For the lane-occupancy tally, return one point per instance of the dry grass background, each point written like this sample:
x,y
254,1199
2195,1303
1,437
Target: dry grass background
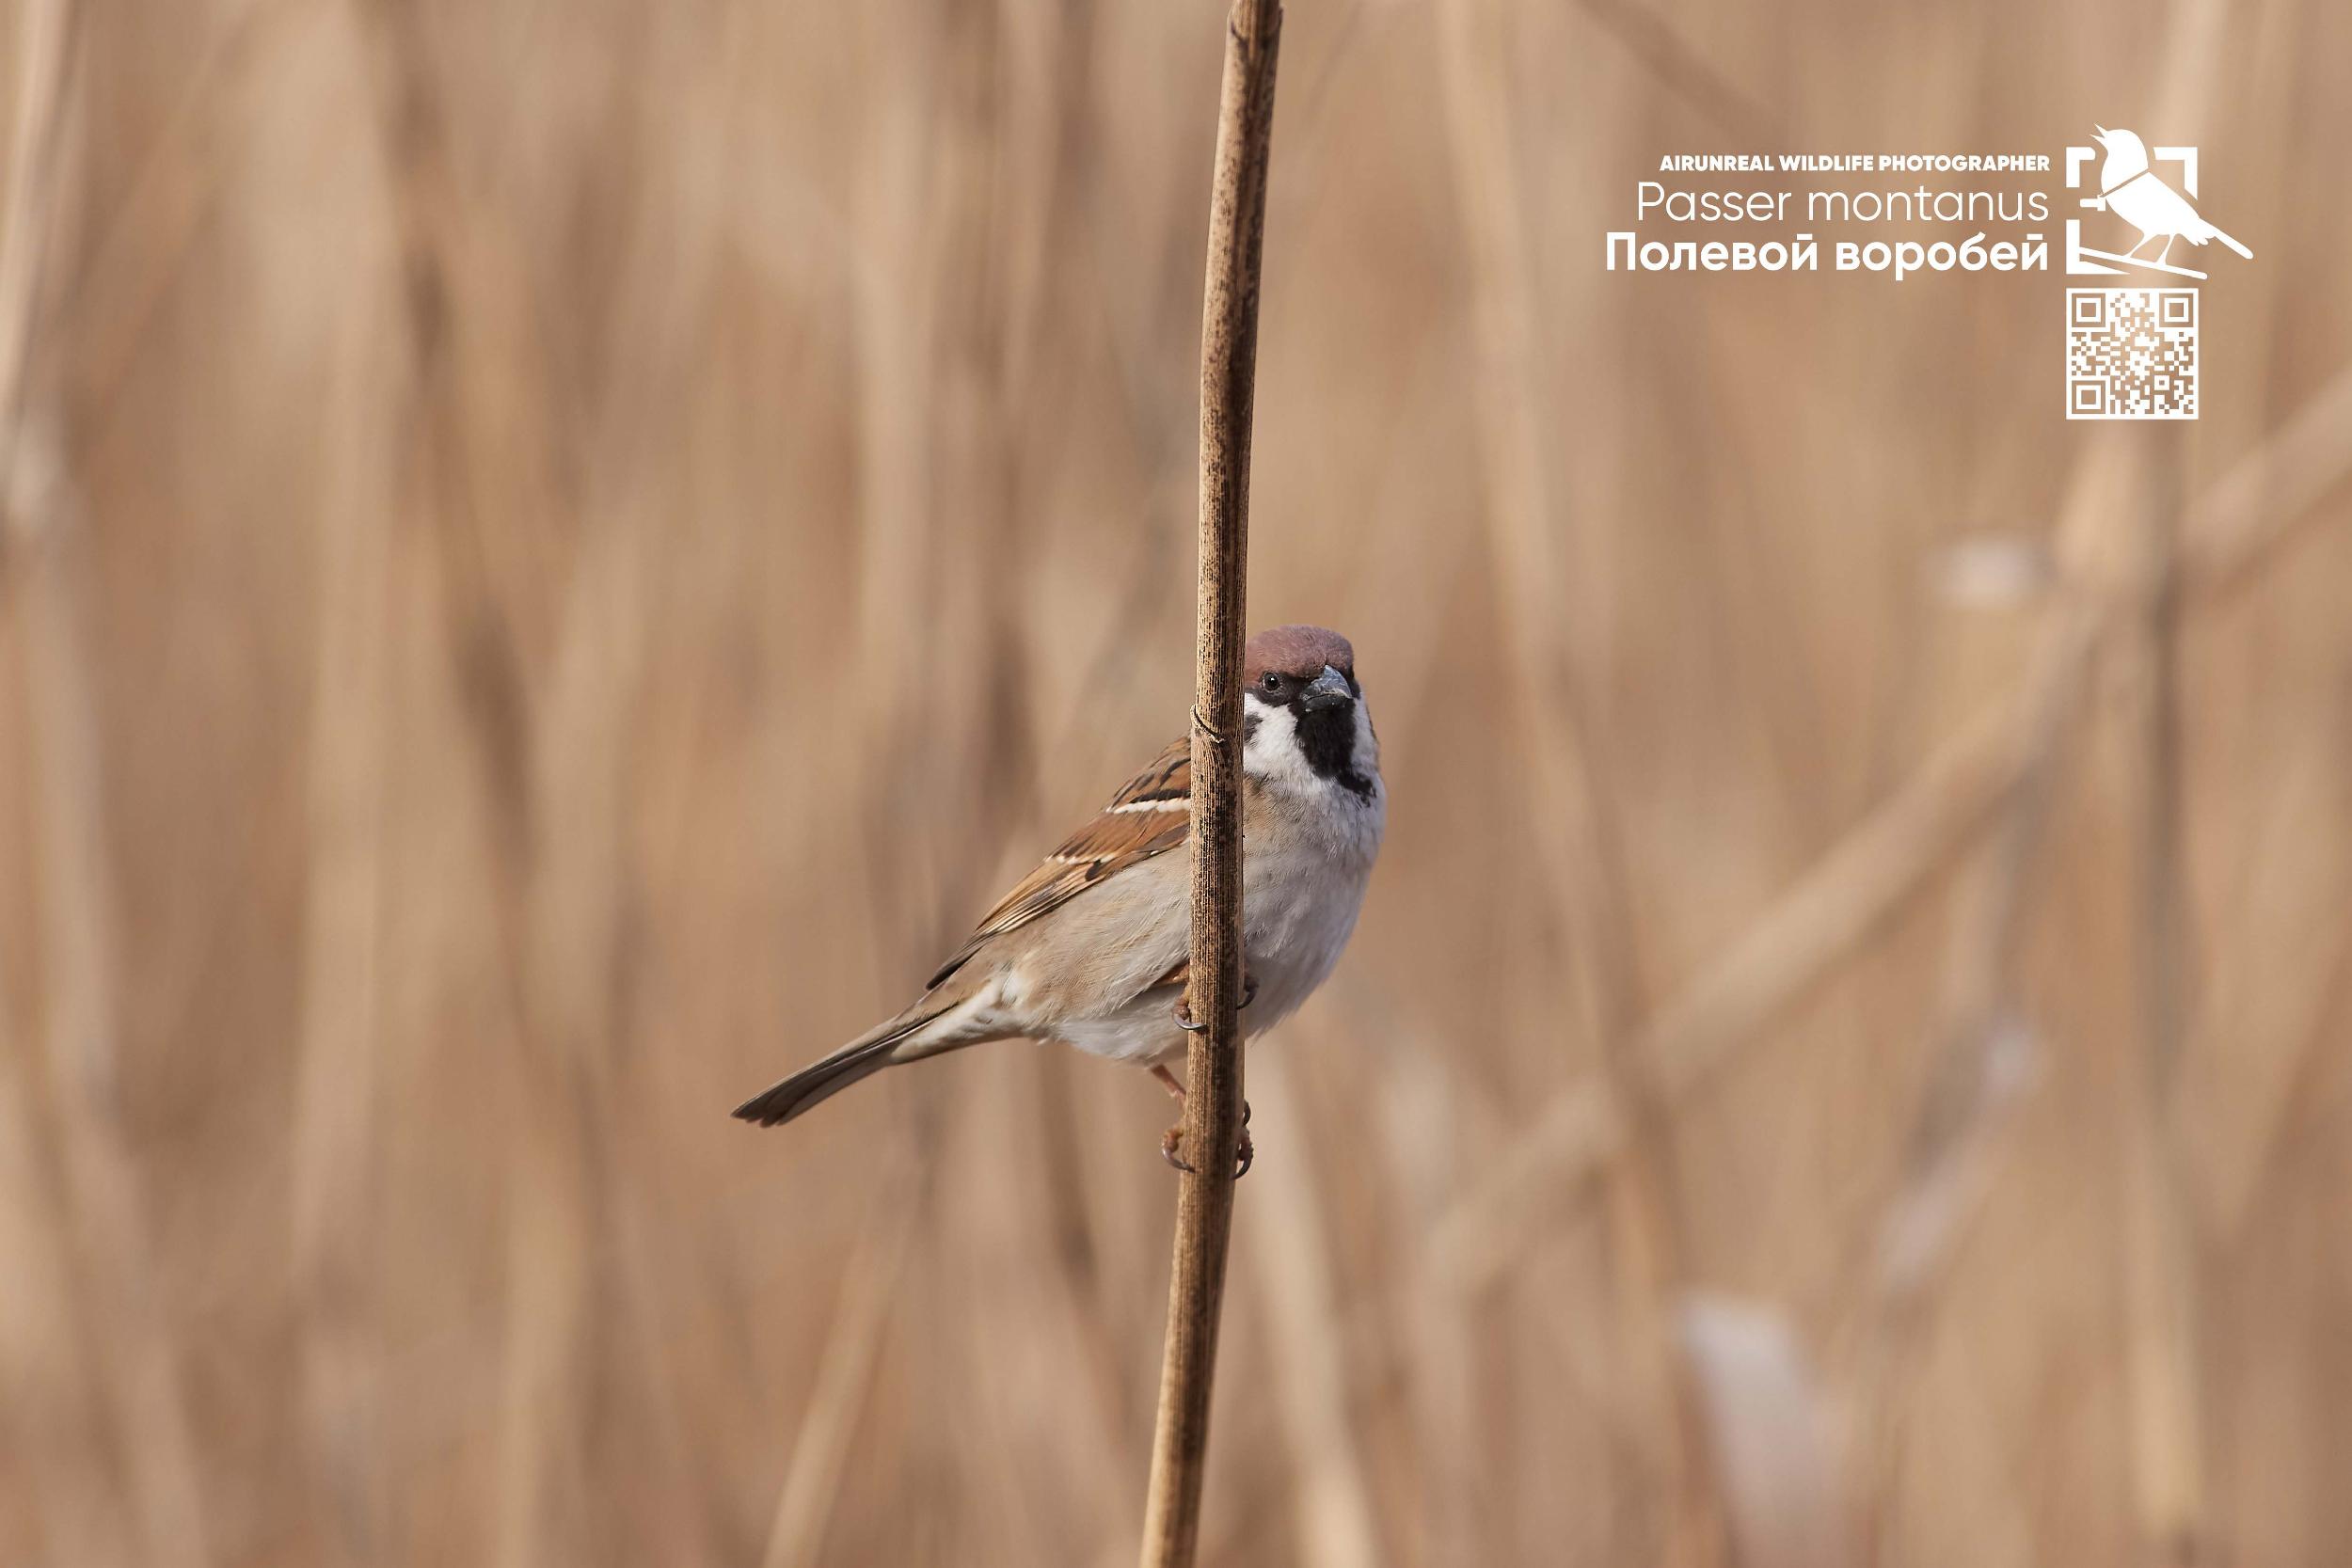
x,y
556,556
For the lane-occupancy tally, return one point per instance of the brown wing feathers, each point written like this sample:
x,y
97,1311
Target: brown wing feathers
x,y
1149,815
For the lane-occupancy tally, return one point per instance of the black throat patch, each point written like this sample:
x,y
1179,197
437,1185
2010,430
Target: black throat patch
x,y
1328,737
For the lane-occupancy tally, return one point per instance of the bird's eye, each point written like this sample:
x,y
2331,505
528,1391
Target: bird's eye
x,y
1270,681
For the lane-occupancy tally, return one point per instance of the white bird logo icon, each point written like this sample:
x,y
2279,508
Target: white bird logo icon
x,y
2133,192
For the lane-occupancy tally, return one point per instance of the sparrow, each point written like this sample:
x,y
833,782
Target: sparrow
x,y
2136,194
1090,949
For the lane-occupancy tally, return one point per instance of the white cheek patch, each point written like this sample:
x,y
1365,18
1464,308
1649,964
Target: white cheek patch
x,y
1272,753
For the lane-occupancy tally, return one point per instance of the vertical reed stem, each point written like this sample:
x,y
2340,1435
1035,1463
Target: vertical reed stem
x,y
1212,1118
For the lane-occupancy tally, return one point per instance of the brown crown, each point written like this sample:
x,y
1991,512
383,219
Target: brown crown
x,y
1300,651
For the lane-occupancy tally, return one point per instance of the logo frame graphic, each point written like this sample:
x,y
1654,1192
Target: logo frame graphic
x,y
2132,185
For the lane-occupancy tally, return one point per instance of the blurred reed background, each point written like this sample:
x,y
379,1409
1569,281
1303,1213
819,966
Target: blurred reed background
x,y
557,556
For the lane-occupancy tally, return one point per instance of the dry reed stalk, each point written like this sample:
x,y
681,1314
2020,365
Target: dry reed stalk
x,y
109,1225
1963,1122
2302,1102
1211,1115
500,620
1424,1354
1439,1336
143,243
1877,866
2161,1296
110,1220
1103,1457
484,417
1578,832
335,1150
1682,70
48,1397
844,1369
1886,860
551,642
1880,865
959,375
1965,1119
49,1410
2161,1291
1955,1150
1979,982
28,204
1336,1527
2276,1001
2248,513
1977,1078
2291,876
570,1168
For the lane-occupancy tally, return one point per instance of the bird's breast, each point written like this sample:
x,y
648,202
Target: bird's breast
x,y
1302,887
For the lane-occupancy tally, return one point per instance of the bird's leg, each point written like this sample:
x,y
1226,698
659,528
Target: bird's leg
x,y
2140,247
1172,1140
2168,248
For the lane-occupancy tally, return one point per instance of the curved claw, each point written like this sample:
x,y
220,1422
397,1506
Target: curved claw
x,y
1180,1009
1245,1155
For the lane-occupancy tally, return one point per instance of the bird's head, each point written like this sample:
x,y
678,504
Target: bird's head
x,y
2124,147
1303,716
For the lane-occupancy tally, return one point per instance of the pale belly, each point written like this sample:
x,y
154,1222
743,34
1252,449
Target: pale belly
x,y
1294,928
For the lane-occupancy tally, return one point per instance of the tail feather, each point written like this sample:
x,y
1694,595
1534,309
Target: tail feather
x,y
2231,242
859,1059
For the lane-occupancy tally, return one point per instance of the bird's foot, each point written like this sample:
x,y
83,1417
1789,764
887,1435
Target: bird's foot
x,y
1181,1010
1172,1142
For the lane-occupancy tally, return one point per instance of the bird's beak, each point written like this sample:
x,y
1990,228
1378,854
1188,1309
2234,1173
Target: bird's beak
x,y
1328,690
2099,134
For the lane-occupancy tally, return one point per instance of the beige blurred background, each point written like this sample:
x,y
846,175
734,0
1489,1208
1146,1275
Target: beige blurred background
x,y
556,556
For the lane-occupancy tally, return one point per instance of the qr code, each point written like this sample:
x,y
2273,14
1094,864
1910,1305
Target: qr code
x,y
2131,353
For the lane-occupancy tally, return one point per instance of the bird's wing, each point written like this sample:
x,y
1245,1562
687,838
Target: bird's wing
x,y
2156,208
1149,815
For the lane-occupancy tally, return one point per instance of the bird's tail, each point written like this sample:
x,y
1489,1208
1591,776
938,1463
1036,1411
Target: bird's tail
x,y
2230,243
861,1058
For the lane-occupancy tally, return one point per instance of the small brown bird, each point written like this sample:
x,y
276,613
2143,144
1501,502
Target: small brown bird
x,y
1090,948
